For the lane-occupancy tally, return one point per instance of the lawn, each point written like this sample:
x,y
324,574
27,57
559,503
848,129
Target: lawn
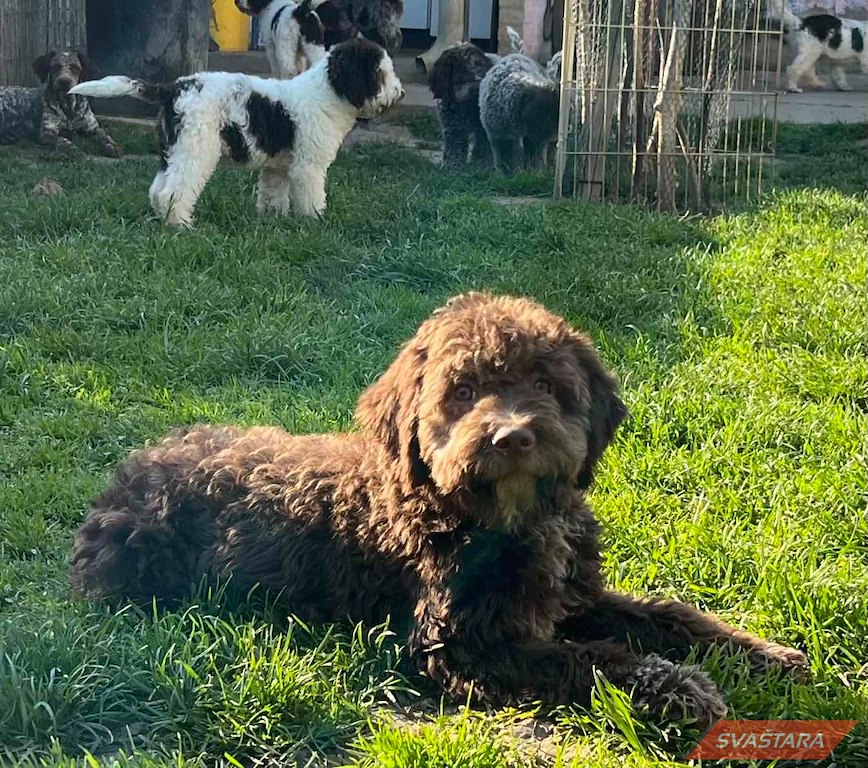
x,y
738,483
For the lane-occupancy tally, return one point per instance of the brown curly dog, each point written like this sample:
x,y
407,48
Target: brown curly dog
x,y
460,505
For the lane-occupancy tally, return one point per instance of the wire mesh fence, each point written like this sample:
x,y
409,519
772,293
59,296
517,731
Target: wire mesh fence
x,y
28,28
668,103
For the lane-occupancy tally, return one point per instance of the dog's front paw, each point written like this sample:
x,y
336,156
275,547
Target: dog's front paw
x,y
794,89
110,149
65,147
772,655
676,692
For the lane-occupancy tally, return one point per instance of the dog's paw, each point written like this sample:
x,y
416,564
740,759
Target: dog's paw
x,y
64,146
676,692
112,150
794,89
772,655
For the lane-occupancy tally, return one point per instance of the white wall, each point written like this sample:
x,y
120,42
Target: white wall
x,y
424,14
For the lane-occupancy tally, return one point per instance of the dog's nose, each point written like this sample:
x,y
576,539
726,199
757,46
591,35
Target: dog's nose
x,y
512,438
64,84
402,94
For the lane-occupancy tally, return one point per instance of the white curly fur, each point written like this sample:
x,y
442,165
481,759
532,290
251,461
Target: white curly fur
x,y
287,50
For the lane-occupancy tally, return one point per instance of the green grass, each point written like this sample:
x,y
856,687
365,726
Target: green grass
x,y
738,483
423,126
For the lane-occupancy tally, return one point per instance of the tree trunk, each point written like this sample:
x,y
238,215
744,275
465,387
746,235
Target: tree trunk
x,y
452,28
153,40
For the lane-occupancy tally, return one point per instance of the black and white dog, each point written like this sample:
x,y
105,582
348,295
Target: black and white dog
x,y
296,36
839,40
292,129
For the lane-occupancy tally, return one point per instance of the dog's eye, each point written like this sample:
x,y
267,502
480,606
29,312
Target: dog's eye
x,y
542,384
464,393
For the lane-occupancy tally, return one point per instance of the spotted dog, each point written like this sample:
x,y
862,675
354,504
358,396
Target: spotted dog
x,y
291,129
296,36
51,113
840,40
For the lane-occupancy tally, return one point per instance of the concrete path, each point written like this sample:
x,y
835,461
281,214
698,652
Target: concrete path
x,y
814,106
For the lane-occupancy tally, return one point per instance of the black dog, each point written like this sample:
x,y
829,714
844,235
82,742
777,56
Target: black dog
x,y
454,82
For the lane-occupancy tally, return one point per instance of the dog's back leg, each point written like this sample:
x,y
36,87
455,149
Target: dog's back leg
x,y
313,53
813,79
481,146
159,203
272,191
506,153
271,56
189,166
839,78
534,153
287,52
803,63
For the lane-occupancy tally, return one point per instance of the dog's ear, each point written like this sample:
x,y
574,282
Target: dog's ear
x,y
354,70
89,70
389,410
606,409
441,77
42,64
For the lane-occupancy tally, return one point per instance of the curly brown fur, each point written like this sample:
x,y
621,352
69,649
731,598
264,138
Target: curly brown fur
x,y
49,114
459,507
454,82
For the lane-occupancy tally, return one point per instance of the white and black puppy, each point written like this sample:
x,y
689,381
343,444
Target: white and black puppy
x,y
292,129
840,40
296,36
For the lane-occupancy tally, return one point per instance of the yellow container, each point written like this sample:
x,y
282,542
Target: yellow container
x,y
229,27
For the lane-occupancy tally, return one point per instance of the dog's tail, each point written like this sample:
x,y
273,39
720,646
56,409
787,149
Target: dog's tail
x,y
516,42
783,13
553,68
119,85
